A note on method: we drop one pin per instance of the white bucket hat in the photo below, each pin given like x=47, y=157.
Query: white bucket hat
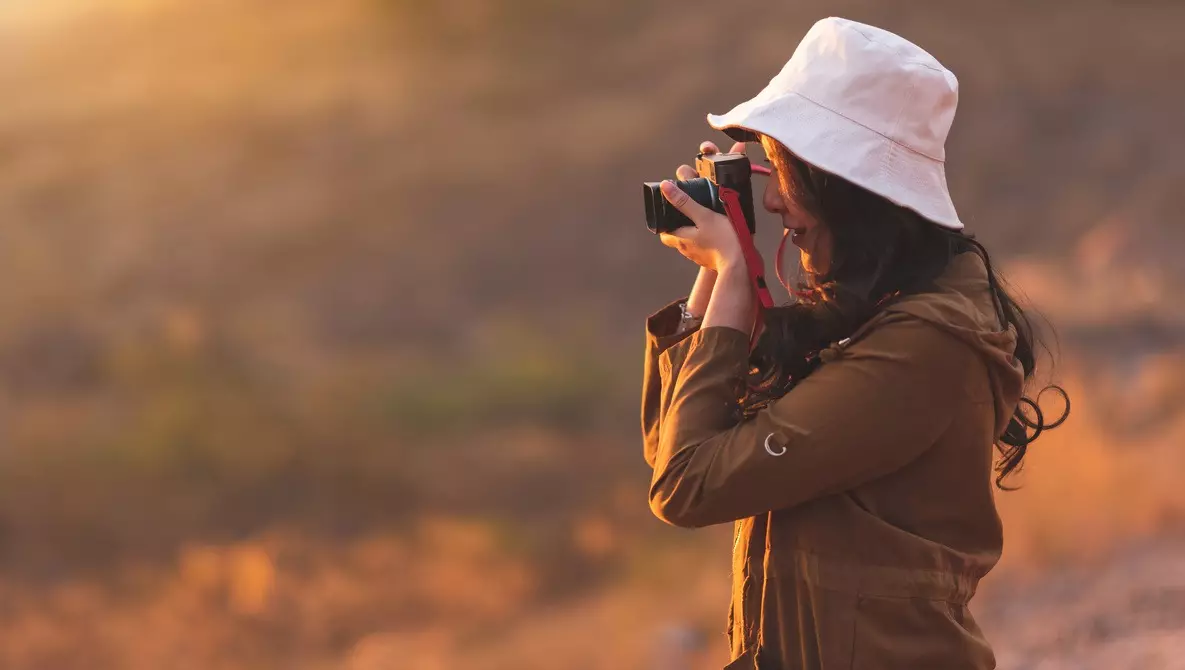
x=866, y=105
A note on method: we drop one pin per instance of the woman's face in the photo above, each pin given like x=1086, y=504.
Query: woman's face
x=812, y=238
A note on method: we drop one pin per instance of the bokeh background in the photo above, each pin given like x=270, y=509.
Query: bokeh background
x=321, y=324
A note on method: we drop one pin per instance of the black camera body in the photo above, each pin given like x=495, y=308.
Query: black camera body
x=716, y=171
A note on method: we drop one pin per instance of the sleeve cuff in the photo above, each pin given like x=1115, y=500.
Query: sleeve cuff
x=720, y=342
x=721, y=345
x=662, y=327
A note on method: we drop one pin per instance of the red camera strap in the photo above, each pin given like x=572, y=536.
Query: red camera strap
x=736, y=216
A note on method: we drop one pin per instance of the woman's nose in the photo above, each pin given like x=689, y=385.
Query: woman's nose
x=771, y=199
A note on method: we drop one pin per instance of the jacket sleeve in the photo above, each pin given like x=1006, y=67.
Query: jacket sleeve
x=875, y=407
x=662, y=333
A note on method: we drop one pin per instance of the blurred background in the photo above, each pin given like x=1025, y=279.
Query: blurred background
x=321, y=324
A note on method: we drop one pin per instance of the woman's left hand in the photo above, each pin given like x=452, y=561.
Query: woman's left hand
x=712, y=242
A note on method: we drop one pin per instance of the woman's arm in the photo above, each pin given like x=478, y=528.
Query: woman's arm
x=664, y=329
x=885, y=401
x=672, y=325
x=732, y=304
x=701, y=292
x=723, y=298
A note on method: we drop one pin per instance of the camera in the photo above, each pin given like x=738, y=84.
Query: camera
x=716, y=171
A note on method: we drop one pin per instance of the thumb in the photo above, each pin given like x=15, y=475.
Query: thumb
x=683, y=202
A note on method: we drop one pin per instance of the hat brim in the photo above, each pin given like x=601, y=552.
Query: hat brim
x=836, y=144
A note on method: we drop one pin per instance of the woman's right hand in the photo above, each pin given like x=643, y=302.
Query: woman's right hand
x=701, y=292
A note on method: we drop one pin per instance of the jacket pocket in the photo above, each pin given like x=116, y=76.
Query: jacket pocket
x=903, y=633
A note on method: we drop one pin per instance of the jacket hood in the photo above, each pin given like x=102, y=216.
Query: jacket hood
x=963, y=307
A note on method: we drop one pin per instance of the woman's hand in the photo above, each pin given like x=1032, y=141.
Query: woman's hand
x=727, y=299
x=701, y=292
x=711, y=243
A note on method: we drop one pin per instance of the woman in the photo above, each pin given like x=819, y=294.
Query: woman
x=853, y=446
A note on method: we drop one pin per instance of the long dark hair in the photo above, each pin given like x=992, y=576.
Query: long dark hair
x=880, y=252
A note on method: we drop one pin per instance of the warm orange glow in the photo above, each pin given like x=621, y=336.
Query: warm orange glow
x=319, y=326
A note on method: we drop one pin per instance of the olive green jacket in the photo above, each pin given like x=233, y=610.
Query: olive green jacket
x=862, y=499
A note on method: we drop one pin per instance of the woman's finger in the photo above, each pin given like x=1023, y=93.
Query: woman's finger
x=737, y=148
x=677, y=240
x=685, y=172
x=708, y=147
x=683, y=234
x=698, y=214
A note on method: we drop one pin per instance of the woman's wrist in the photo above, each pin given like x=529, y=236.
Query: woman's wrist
x=732, y=262
x=732, y=303
x=701, y=292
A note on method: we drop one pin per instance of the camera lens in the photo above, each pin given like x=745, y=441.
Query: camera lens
x=662, y=217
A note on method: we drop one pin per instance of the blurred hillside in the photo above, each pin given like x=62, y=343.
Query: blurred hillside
x=321, y=320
